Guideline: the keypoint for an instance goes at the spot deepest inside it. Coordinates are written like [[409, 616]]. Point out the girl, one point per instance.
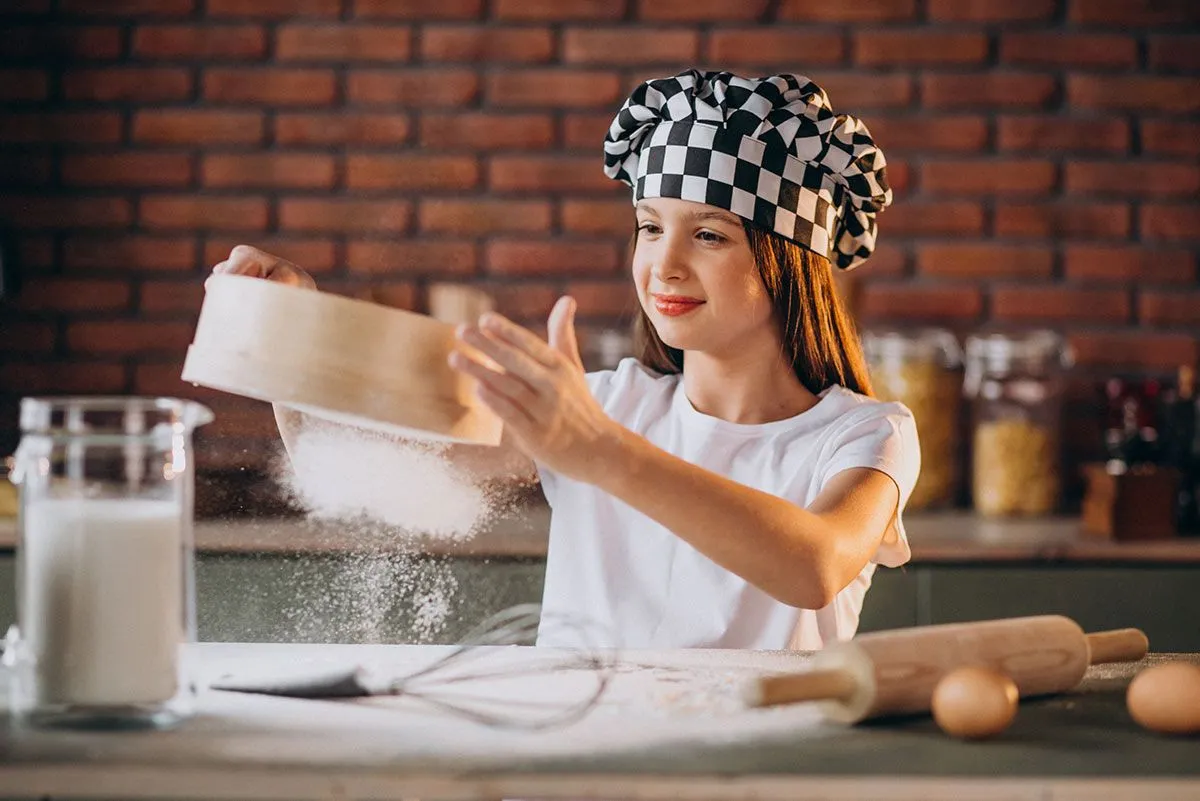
[[736, 485]]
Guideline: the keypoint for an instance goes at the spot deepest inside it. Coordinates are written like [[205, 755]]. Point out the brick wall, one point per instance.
[[1044, 153]]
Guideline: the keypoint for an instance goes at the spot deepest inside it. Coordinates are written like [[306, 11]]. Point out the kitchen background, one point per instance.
[[1045, 156]]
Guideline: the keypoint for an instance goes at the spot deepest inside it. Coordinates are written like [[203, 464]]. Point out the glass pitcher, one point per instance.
[[105, 593]]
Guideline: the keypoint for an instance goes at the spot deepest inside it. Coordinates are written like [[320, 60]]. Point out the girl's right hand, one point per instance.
[[246, 260]]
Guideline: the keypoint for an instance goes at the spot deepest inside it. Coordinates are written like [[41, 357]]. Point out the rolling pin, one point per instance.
[[895, 672]]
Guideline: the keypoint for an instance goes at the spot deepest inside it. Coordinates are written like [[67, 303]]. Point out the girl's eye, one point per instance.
[[712, 237], [649, 228]]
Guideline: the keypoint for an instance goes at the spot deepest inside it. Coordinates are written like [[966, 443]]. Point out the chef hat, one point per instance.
[[770, 150]]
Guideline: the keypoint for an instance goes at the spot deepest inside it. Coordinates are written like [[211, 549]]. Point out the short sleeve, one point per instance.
[[882, 437]]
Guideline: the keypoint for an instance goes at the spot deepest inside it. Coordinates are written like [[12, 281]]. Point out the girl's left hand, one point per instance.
[[539, 391]]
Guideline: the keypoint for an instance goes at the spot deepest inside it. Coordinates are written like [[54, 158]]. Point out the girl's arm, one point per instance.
[[801, 557]]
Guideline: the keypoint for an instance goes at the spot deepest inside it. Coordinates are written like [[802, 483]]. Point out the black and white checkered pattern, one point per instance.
[[768, 149]]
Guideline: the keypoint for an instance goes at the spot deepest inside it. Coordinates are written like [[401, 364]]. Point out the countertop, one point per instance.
[[951, 537], [670, 725]]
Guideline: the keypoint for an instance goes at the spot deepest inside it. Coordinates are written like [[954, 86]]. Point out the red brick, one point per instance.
[[163, 380], [930, 133], [983, 260], [692, 11], [419, 9], [1073, 220], [918, 47], [1170, 137], [335, 216], [36, 253], [1131, 349], [142, 84], [26, 337], [586, 131], [486, 44], [859, 11], [87, 377], [899, 176], [128, 336], [538, 10], [215, 42], [1140, 13], [282, 87], [630, 46], [774, 46], [157, 297], [343, 43], [53, 127], [916, 218], [23, 85], [1175, 53], [897, 301], [550, 257], [988, 177], [614, 217], [850, 91], [274, 8], [542, 174], [603, 298], [1047, 134], [1162, 221], [290, 170], [1133, 178], [98, 43], [1117, 93], [397, 294], [426, 257], [1071, 50], [1173, 308], [33, 211], [988, 90], [571, 89], [46, 294], [411, 172], [1060, 303], [136, 253], [123, 8], [21, 169], [314, 255], [887, 260], [1129, 263], [417, 88], [127, 169], [337, 128], [525, 302], [991, 10], [191, 211], [486, 131], [197, 127], [483, 216]]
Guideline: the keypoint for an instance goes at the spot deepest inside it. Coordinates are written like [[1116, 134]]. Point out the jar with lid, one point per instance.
[[1015, 383], [923, 370], [105, 598]]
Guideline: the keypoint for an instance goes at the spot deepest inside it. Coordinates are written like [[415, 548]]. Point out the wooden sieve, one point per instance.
[[335, 357]]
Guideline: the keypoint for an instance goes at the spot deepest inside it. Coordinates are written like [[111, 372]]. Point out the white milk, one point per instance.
[[102, 591]]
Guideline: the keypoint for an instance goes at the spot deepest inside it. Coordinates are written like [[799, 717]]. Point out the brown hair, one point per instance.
[[819, 338]]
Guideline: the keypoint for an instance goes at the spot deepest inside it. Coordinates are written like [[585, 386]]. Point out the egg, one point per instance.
[[1166, 698], [974, 702]]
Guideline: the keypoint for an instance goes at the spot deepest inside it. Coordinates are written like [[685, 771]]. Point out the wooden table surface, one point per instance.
[[671, 725]]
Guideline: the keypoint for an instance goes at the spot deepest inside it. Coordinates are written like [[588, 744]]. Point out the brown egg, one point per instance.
[[1166, 698], [974, 702]]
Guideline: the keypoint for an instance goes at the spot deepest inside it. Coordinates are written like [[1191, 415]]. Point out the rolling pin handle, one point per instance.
[[1119, 645], [794, 688]]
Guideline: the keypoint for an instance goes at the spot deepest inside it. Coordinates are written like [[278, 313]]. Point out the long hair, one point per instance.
[[819, 338]]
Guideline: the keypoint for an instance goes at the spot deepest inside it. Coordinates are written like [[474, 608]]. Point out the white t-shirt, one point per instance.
[[640, 586]]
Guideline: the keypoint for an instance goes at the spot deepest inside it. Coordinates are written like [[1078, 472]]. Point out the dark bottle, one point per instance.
[[1181, 449]]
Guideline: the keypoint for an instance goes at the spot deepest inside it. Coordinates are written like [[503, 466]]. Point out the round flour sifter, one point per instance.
[[338, 358]]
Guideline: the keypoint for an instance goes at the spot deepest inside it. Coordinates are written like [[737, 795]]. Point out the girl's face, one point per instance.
[[696, 278]]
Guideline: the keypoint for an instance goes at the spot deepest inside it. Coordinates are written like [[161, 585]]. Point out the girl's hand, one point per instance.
[[538, 389], [245, 260]]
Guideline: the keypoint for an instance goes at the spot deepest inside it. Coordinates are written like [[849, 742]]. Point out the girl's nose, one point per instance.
[[670, 263]]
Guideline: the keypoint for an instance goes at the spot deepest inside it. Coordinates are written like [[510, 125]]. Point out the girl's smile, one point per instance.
[[676, 305]]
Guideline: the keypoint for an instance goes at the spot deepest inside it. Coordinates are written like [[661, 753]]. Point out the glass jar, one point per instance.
[[1015, 383], [105, 599], [923, 370]]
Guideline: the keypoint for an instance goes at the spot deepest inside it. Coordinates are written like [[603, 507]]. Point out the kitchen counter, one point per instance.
[[951, 537], [671, 725]]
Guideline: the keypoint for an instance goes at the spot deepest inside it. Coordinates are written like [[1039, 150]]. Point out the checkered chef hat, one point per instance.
[[770, 150]]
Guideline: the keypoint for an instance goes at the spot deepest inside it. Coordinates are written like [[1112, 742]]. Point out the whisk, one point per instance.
[[474, 659]]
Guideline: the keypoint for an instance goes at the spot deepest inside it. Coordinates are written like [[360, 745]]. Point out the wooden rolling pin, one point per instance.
[[895, 672]]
